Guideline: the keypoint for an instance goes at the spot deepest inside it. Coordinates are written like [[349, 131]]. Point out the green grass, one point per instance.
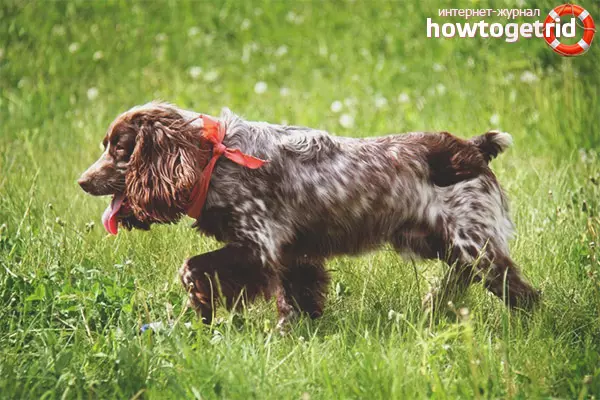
[[72, 300]]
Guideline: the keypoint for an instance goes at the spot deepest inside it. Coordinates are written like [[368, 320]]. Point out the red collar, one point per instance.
[[214, 132]]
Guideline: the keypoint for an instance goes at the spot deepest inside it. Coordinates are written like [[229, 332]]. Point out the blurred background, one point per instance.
[[71, 299]]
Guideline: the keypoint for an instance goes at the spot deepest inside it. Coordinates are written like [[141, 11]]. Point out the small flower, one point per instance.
[[403, 98], [336, 106], [323, 50], [350, 101], [260, 87], [98, 56], [438, 67], [535, 117], [380, 101], [294, 18], [160, 37], [23, 82], [391, 314], [470, 62], [347, 121], [528, 77], [495, 119], [281, 51], [193, 31], [245, 25], [211, 76], [58, 30], [440, 89], [508, 78], [195, 72], [92, 93], [73, 47], [284, 92]]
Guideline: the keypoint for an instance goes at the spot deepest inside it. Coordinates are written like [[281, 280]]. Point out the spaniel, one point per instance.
[[284, 199]]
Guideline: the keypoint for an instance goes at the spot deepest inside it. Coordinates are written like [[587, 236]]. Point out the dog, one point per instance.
[[284, 199]]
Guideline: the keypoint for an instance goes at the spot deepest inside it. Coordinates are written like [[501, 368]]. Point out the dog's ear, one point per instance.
[[165, 164]]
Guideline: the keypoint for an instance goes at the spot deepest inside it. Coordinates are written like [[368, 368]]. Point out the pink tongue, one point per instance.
[[109, 218]]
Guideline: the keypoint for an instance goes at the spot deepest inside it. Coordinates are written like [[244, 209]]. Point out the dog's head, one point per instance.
[[153, 156]]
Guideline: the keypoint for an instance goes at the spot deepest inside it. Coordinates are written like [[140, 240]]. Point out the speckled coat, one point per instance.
[[430, 195]]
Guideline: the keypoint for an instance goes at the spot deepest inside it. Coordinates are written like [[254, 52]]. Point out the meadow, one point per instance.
[[73, 299]]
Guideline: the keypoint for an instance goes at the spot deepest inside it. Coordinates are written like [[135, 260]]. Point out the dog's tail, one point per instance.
[[492, 143]]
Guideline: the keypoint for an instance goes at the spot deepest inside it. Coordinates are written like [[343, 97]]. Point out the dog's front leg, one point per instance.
[[226, 276]]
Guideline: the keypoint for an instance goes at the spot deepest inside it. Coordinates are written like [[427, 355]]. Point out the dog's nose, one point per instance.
[[84, 183]]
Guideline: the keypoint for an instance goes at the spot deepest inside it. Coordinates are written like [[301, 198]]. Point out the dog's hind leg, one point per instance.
[[502, 277], [226, 276], [457, 279]]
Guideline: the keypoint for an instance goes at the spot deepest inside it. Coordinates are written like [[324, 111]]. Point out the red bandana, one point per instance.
[[213, 132]]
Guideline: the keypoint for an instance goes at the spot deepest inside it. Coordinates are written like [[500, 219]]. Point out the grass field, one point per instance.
[[72, 299]]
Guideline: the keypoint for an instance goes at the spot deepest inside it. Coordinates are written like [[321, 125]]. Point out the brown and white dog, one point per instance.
[[315, 196]]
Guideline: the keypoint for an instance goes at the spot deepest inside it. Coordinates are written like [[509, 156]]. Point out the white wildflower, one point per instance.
[[92, 93], [160, 37], [246, 24], [438, 67], [98, 56], [350, 101], [284, 92], [535, 117], [528, 77], [294, 18], [403, 98], [281, 51], [470, 62], [195, 72], [336, 106], [508, 78], [58, 30], [260, 87], [380, 101], [323, 50], [193, 31], [73, 47], [440, 88], [211, 75], [347, 121], [495, 119]]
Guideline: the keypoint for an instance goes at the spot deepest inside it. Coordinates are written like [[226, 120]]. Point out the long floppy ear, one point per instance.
[[165, 164]]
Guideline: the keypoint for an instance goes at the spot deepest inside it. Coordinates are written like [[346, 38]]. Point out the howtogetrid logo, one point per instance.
[[551, 30], [551, 35]]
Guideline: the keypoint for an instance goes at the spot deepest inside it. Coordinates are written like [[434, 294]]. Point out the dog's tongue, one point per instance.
[[109, 218]]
